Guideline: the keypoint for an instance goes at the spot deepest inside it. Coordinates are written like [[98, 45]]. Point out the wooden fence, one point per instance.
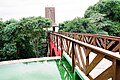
[[110, 43], [77, 47]]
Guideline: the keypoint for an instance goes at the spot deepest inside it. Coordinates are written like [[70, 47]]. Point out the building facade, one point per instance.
[[50, 13]]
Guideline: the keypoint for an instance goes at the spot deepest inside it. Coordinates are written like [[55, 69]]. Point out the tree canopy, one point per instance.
[[100, 18], [22, 39]]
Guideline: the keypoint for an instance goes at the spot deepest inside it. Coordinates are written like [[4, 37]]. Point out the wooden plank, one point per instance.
[[117, 77], [106, 74], [86, 38], [105, 43], [61, 47], [54, 40], [101, 42], [87, 52], [78, 63], [93, 42], [70, 52], [114, 69], [110, 44], [116, 48], [73, 53], [81, 57], [76, 55], [90, 77], [95, 61], [57, 42], [84, 48], [98, 43], [80, 38], [87, 62], [90, 38], [74, 36], [68, 46], [65, 44]]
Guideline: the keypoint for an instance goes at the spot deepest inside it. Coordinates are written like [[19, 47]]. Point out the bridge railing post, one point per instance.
[[82, 39], [94, 42], [117, 70], [73, 53], [57, 41], [54, 40], [105, 43], [119, 46], [61, 46], [75, 35]]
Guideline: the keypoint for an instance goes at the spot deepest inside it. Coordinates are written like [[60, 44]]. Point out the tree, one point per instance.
[[80, 25], [33, 28], [109, 15], [21, 39], [100, 18]]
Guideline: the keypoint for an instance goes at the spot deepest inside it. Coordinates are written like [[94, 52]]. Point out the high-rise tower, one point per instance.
[[1, 19], [50, 13]]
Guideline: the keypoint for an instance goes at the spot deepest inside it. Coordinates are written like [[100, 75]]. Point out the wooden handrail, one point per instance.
[[99, 35], [103, 51], [73, 48], [111, 43]]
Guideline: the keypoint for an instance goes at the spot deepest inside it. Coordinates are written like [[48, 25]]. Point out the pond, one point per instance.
[[37, 70]]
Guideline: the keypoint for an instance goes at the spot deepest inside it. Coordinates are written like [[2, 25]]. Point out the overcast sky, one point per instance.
[[65, 9]]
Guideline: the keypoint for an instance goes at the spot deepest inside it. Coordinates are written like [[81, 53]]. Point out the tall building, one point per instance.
[[1, 19], [50, 13]]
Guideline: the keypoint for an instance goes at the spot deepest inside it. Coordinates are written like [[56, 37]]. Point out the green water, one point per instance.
[[30, 71], [46, 70]]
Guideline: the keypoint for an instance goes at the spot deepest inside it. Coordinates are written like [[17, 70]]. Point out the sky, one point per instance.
[[65, 9]]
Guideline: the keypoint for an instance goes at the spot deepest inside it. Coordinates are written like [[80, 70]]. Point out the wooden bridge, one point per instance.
[[95, 57]]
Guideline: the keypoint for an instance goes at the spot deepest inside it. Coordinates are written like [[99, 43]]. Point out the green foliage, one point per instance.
[[80, 25], [107, 18], [1, 34], [111, 8], [21, 39], [102, 18], [8, 52]]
